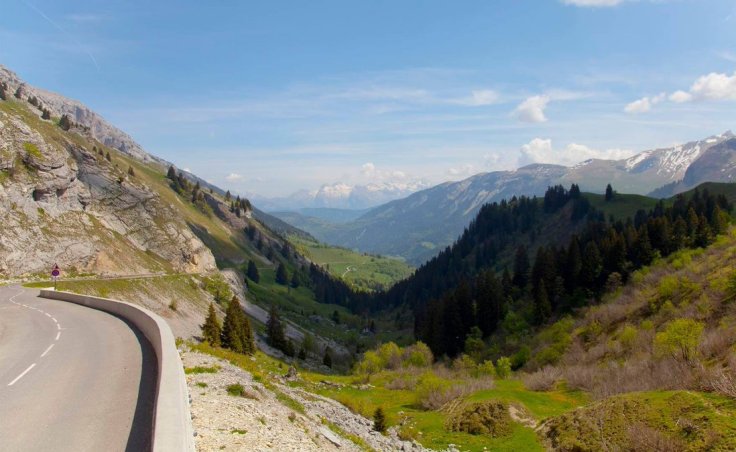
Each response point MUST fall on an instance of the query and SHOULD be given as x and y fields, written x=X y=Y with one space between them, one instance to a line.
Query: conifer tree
x=275 y=331
x=521 y=267
x=252 y=272
x=237 y=334
x=542 y=306
x=19 y=93
x=592 y=265
x=108 y=157
x=211 y=330
x=232 y=328
x=295 y=280
x=327 y=358
x=65 y=123
x=131 y=171
x=609 y=193
x=3 y=93
x=379 y=420
x=171 y=173
x=282 y=277
x=46 y=114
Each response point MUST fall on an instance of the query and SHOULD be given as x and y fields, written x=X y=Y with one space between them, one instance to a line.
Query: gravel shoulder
x=262 y=421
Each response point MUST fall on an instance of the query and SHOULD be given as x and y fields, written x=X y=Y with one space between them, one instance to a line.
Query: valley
x=397 y=227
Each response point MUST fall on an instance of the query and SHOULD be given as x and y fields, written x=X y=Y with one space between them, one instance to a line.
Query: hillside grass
x=400 y=406
x=622 y=206
x=676 y=420
x=300 y=306
x=361 y=271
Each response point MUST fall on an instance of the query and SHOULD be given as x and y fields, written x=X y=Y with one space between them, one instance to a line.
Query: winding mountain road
x=72 y=378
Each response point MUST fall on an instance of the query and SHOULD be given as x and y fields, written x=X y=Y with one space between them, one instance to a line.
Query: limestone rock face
x=62 y=202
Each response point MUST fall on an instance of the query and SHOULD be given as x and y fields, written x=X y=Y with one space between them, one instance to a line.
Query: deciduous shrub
x=503 y=367
x=679 y=340
x=485 y=418
x=418 y=355
x=542 y=380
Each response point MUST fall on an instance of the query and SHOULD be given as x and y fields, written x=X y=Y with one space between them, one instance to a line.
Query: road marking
x=58 y=326
x=47 y=350
x=47 y=314
x=58 y=335
x=21 y=375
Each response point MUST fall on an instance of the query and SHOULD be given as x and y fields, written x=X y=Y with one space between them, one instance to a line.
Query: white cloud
x=536 y=151
x=462 y=171
x=644 y=104
x=532 y=109
x=540 y=150
x=479 y=98
x=233 y=177
x=367 y=169
x=592 y=3
x=714 y=86
x=681 y=96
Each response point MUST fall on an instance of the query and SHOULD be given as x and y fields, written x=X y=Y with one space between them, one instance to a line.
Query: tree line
x=600 y=257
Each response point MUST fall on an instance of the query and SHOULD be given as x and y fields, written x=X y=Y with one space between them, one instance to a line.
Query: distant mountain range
x=418 y=226
x=340 y=196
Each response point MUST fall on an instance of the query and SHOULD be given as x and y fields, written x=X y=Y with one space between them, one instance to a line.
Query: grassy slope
x=428 y=426
x=362 y=271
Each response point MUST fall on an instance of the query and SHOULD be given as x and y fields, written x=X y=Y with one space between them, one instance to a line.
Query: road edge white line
x=22 y=375
x=47 y=350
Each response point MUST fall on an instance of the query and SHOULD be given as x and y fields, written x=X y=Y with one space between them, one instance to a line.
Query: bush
x=486 y=369
x=542 y=380
x=628 y=336
x=370 y=364
x=379 y=420
x=418 y=355
x=679 y=340
x=236 y=390
x=390 y=355
x=503 y=367
x=464 y=364
x=485 y=418
x=521 y=357
x=432 y=391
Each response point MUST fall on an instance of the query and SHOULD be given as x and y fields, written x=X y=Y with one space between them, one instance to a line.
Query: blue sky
x=270 y=97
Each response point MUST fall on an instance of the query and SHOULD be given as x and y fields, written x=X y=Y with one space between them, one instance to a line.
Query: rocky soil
x=258 y=421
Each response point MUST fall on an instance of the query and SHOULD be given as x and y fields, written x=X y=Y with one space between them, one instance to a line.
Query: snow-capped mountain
x=428 y=220
x=647 y=171
x=342 y=196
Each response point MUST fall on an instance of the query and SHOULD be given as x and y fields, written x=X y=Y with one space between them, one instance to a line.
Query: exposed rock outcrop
x=62 y=202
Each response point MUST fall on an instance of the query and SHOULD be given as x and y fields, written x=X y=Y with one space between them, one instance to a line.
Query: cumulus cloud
x=714 y=86
x=644 y=104
x=233 y=177
x=592 y=3
x=367 y=169
x=532 y=109
x=681 y=96
x=540 y=150
x=711 y=87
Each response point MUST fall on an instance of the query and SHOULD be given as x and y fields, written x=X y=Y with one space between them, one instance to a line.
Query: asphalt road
x=72 y=378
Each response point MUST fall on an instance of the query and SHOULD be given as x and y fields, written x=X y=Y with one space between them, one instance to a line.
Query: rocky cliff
x=69 y=197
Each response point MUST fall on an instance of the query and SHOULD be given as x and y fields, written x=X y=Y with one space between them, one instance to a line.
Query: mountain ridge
x=428 y=220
